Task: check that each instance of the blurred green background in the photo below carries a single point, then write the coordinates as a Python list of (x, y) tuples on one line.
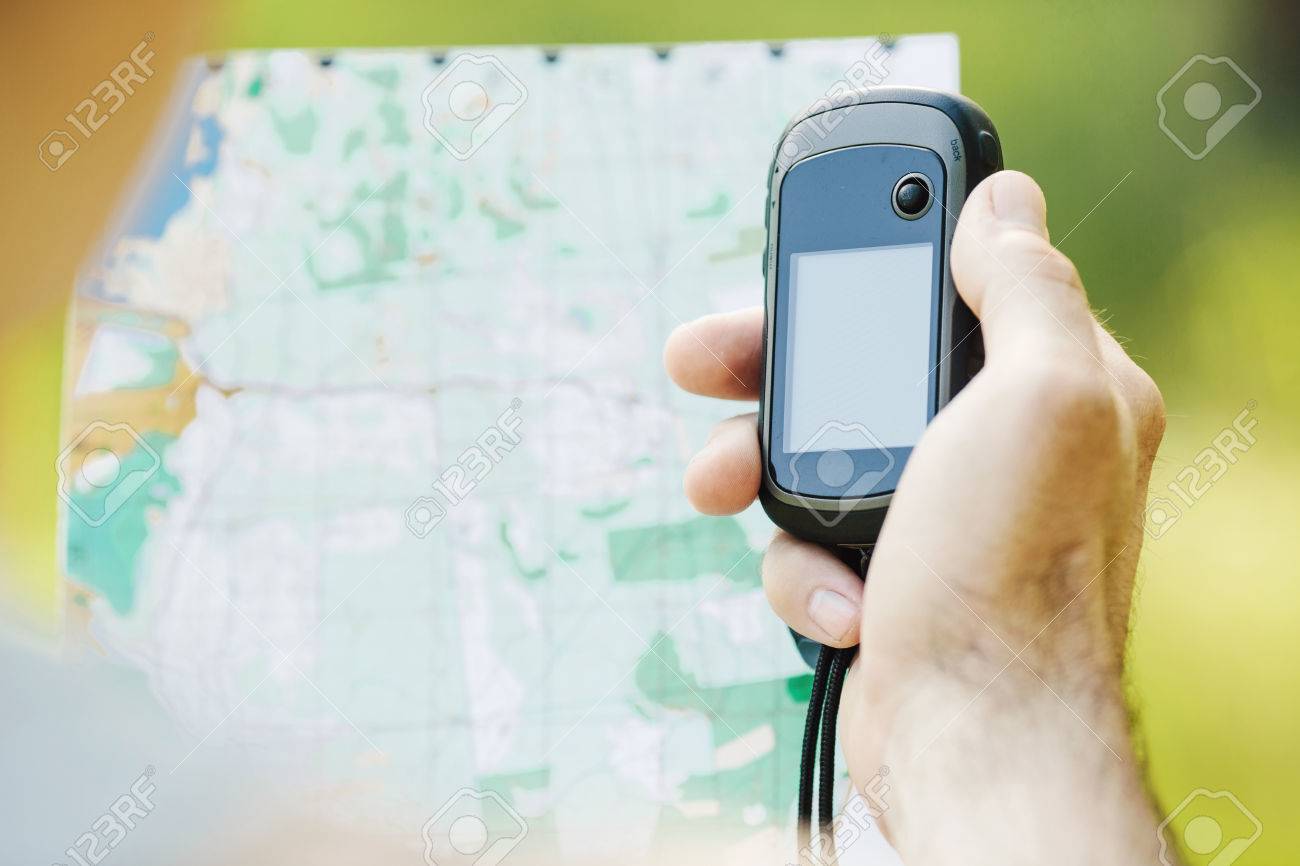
[(1193, 262)]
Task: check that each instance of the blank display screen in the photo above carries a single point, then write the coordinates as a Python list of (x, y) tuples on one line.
[(859, 351)]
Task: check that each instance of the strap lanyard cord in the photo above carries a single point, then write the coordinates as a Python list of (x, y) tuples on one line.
[(823, 713)]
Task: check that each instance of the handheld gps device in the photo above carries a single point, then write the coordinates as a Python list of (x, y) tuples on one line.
[(865, 336)]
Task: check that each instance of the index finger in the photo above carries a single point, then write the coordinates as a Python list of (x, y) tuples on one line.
[(719, 355)]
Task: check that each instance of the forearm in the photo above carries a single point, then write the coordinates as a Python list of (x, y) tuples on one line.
[(1016, 773)]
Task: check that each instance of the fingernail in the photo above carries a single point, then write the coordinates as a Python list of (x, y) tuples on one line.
[(832, 612), (1016, 199)]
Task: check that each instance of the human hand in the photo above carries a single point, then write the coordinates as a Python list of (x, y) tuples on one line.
[(995, 611)]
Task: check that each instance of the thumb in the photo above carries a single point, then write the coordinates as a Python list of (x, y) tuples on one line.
[(1026, 293)]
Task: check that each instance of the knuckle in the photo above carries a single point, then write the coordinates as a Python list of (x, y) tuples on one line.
[(1056, 267), (1033, 257), (1073, 394), (773, 575), (1148, 408), (676, 356), (1018, 245)]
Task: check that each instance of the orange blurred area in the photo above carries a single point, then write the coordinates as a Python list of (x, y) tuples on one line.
[(53, 54)]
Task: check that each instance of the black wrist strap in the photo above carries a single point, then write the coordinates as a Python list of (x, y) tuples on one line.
[(823, 712)]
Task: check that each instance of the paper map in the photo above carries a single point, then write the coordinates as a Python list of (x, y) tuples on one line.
[(315, 329)]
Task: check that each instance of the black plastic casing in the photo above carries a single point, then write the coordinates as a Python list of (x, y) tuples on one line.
[(961, 135)]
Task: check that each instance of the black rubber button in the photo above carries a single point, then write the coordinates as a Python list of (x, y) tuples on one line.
[(990, 151), (912, 197)]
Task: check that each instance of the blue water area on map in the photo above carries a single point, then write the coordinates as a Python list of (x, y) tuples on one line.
[(107, 527), (165, 195)]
